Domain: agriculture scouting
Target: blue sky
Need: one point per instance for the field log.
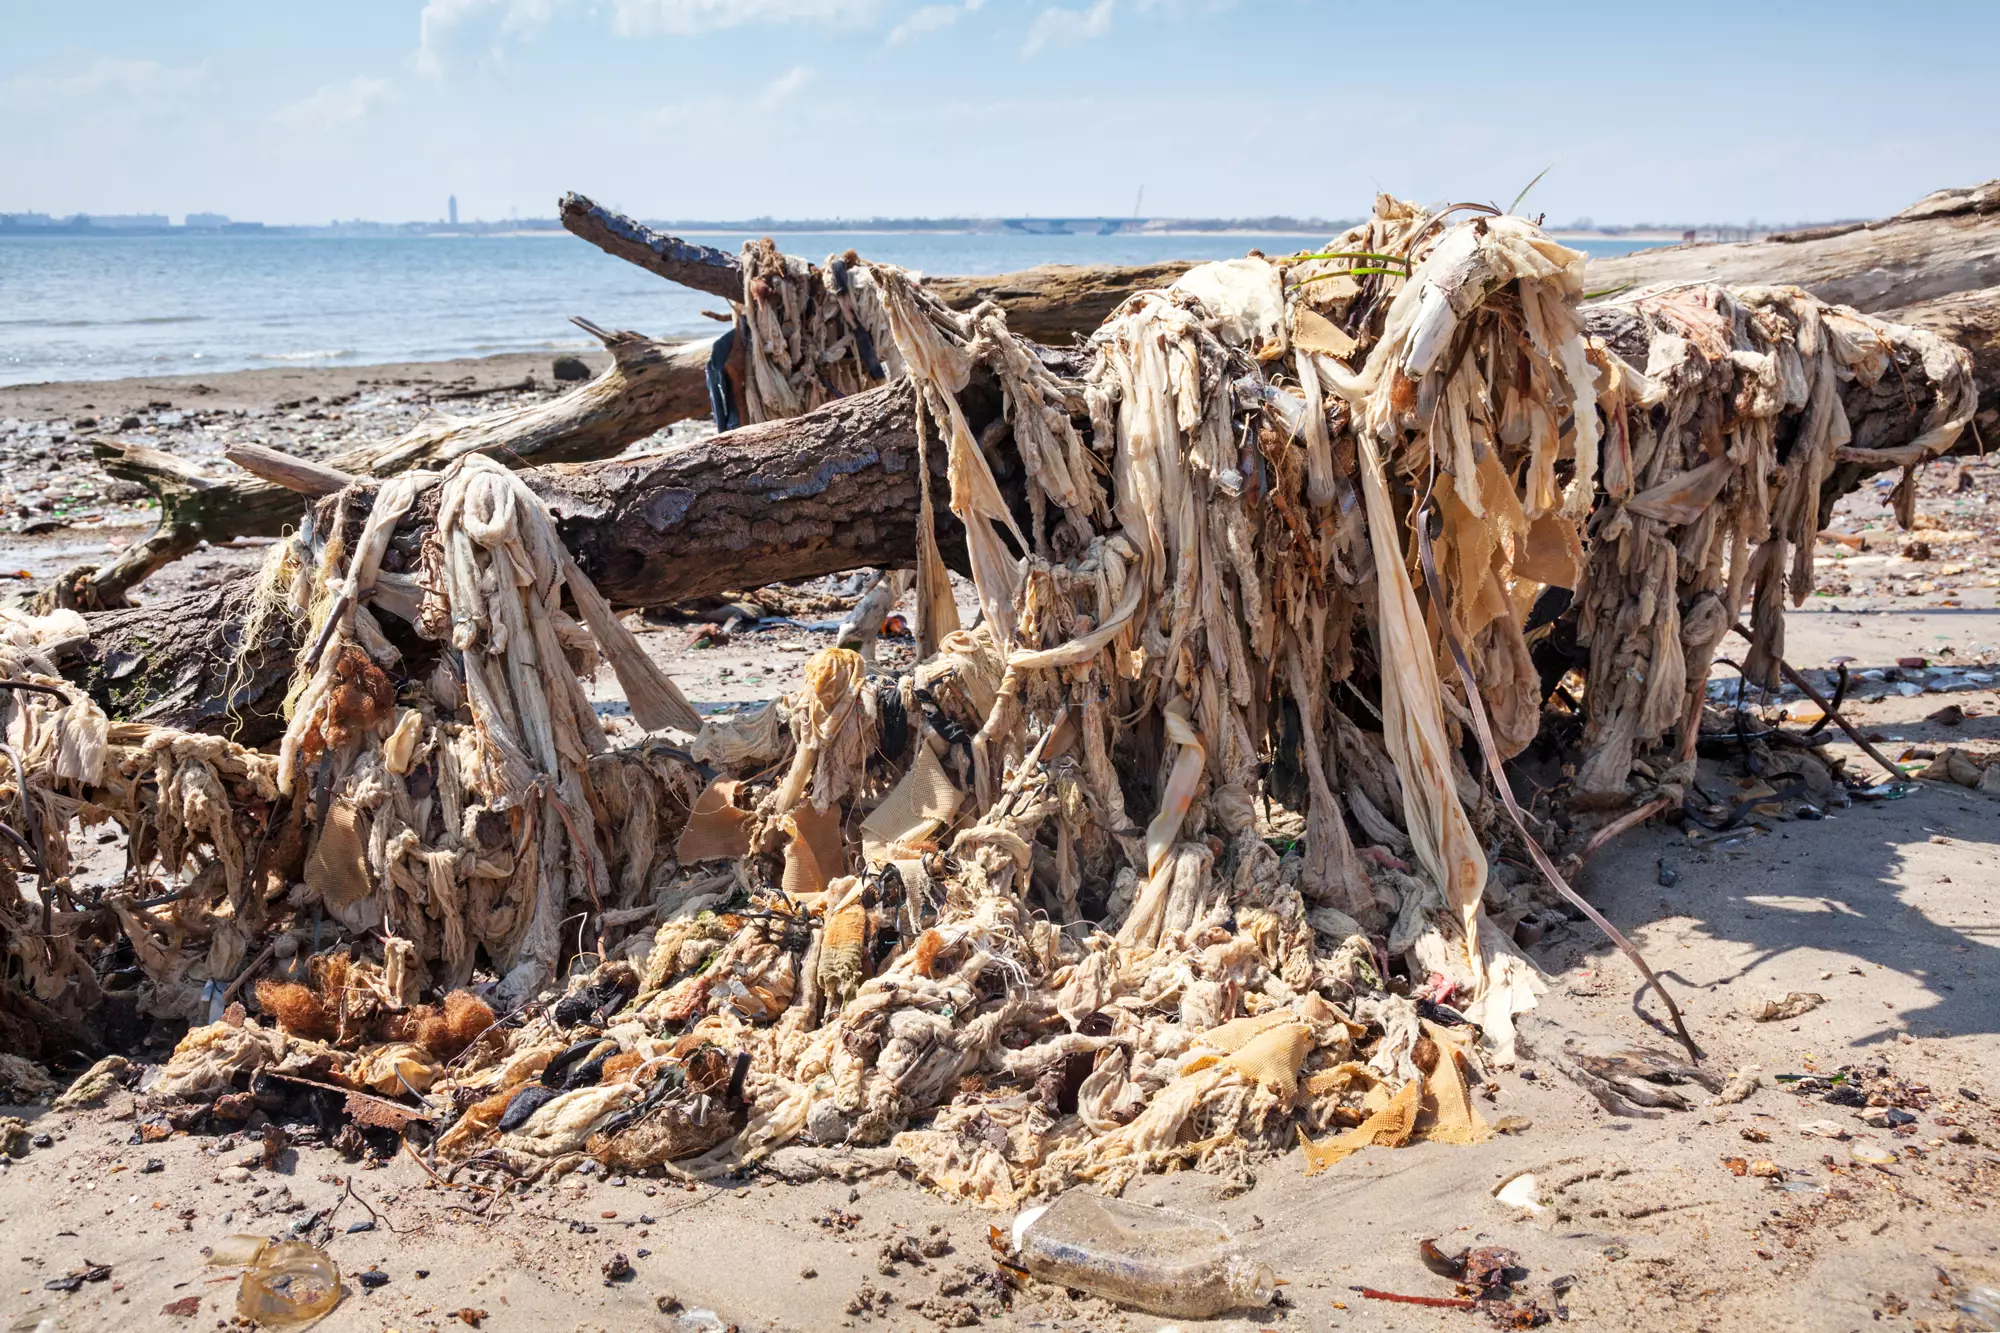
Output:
(298, 112)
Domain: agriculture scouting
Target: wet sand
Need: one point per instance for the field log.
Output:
(111, 400)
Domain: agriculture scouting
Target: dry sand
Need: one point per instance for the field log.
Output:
(1888, 910)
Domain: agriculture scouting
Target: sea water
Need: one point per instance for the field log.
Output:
(105, 307)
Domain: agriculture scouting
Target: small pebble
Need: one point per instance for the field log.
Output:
(372, 1278)
(359, 1227)
(1668, 876)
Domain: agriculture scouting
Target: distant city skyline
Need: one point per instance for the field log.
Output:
(984, 108)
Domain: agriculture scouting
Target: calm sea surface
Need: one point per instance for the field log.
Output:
(74, 308)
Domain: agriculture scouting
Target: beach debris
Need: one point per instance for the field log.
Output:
(1635, 1081)
(1179, 836)
(233, 1250)
(1158, 1260)
(76, 1277)
(93, 1085)
(23, 1083)
(289, 1282)
(1521, 1191)
(1793, 1004)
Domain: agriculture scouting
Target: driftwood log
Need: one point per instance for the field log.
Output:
(835, 489)
(1051, 303)
(648, 385)
(830, 491)
(1936, 265)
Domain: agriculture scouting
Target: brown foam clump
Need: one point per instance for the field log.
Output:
(298, 1009)
(618, 1066)
(448, 1030)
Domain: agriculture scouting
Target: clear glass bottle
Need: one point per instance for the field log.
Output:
(1153, 1259)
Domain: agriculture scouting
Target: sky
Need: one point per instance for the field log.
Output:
(297, 112)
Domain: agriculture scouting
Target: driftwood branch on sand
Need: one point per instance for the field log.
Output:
(648, 385)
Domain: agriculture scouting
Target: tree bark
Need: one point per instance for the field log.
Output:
(833, 490)
(647, 386)
(830, 491)
(177, 662)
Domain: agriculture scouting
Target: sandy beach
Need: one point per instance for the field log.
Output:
(1789, 1209)
(109, 401)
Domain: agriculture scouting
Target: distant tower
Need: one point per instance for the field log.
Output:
(451, 207)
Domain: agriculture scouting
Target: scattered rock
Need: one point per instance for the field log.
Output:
(617, 1269)
(570, 370)
(94, 1084)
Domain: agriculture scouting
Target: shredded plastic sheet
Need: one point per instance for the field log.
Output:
(1101, 885)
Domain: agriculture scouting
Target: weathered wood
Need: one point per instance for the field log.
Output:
(833, 490)
(1935, 264)
(1057, 302)
(648, 385)
(1051, 303)
(297, 475)
(702, 267)
(176, 662)
(1947, 243)
(830, 491)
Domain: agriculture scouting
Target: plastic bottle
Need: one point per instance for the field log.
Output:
(1154, 1259)
(289, 1283)
(237, 1249)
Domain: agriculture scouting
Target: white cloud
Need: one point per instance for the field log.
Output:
(335, 104)
(146, 85)
(791, 82)
(646, 18)
(1064, 27)
(447, 26)
(930, 18)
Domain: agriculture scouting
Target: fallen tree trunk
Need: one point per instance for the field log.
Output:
(1050, 303)
(1936, 265)
(830, 491)
(833, 490)
(648, 385)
